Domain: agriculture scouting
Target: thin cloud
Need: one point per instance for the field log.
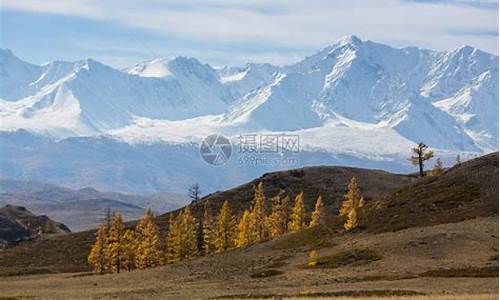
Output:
(300, 26)
(482, 4)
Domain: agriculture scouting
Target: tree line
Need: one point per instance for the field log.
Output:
(117, 248)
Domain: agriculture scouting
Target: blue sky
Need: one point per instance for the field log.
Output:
(232, 32)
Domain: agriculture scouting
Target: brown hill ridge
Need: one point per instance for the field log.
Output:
(329, 182)
(18, 224)
(81, 209)
(465, 191)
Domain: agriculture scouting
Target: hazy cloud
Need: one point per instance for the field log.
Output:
(299, 26)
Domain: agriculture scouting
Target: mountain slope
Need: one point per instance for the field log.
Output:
(394, 202)
(328, 182)
(16, 76)
(88, 98)
(241, 81)
(467, 190)
(357, 103)
(18, 224)
(449, 99)
(365, 82)
(469, 107)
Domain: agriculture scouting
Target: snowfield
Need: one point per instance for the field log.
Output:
(361, 99)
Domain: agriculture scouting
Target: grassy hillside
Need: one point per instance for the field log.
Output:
(465, 191)
(455, 258)
(394, 202)
(329, 182)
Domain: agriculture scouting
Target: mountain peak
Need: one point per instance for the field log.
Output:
(176, 67)
(465, 49)
(357, 79)
(88, 64)
(6, 52)
(184, 60)
(349, 39)
(163, 67)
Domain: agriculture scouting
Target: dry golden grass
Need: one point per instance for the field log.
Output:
(427, 297)
(451, 261)
(447, 254)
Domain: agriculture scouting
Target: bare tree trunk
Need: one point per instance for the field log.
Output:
(421, 164)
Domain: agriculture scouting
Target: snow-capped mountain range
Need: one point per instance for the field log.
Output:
(354, 97)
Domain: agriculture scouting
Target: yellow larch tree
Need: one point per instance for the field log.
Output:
(97, 255)
(313, 258)
(225, 234)
(278, 219)
(258, 223)
(188, 235)
(182, 240)
(173, 239)
(319, 214)
(129, 249)
(352, 219)
(115, 243)
(351, 199)
(298, 216)
(244, 235)
(148, 242)
(208, 230)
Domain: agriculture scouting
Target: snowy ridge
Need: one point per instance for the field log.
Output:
(351, 88)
